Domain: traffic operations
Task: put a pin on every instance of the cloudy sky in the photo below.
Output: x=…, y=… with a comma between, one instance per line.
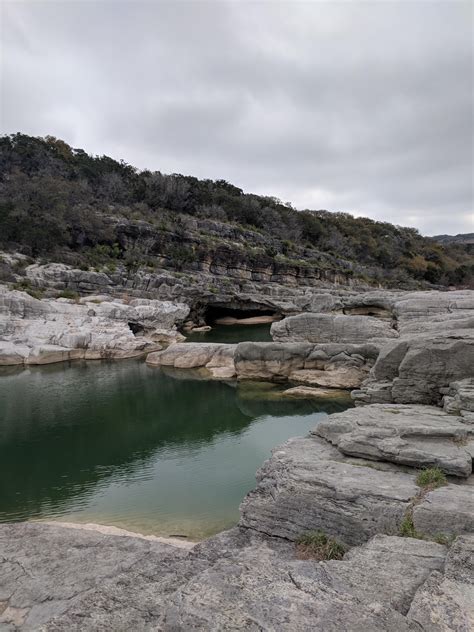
x=364, y=107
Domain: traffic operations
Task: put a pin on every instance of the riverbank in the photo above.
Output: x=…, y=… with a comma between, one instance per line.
x=388, y=486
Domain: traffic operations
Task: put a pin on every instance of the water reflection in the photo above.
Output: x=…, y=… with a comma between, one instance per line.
x=125, y=444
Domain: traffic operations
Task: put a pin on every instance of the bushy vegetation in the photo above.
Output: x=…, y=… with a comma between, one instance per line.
x=431, y=477
x=57, y=201
x=317, y=545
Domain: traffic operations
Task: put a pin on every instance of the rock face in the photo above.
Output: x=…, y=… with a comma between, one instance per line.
x=419, y=369
x=216, y=358
x=329, y=328
x=410, y=435
x=310, y=484
x=446, y=600
x=395, y=312
x=334, y=365
x=36, y=331
x=330, y=365
x=65, y=579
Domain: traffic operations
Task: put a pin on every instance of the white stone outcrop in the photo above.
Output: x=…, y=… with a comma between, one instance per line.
x=36, y=331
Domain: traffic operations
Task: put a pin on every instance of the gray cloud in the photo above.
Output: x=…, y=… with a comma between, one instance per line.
x=364, y=107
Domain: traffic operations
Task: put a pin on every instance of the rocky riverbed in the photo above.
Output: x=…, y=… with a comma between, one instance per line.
x=390, y=480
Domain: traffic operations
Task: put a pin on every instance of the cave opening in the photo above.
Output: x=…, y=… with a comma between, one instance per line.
x=220, y=314
x=136, y=328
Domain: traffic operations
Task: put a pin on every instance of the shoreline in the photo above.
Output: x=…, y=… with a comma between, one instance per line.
x=119, y=532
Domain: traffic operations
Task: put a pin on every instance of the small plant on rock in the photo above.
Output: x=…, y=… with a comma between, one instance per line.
x=431, y=477
x=407, y=528
x=317, y=545
x=69, y=294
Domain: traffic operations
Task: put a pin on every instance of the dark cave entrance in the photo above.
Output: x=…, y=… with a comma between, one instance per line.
x=136, y=328
x=213, y=313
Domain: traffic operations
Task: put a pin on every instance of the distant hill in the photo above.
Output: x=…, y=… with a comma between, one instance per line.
x=61, y=204
x=463, y=238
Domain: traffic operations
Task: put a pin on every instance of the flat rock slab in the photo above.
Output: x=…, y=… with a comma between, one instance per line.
x=448, y=510
x=418, y=436
x=77, y=577
x=339, y=377
x=308, y=484
x=52, y=578
x=308, y=392
x=445, y=601
x=331, y=328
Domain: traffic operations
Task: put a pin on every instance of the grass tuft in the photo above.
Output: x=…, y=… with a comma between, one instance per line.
x=69, y=294
x=431, y=477
x=317, y=545
x=407, y=529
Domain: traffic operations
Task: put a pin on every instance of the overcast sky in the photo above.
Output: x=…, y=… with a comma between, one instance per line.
x=364, y=107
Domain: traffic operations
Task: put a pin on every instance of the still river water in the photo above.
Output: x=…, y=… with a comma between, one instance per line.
x=124, y=444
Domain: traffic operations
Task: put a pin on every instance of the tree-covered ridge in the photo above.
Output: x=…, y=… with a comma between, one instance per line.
x=61, y=203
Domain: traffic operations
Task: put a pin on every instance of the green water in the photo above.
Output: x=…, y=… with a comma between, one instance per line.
x=128, y=445
x=233, y=334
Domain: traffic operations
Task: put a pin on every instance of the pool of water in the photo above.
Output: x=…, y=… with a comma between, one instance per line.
x=131, y=446
x=233, y=334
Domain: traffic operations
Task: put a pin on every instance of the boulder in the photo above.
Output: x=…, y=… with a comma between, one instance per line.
x=418, y=436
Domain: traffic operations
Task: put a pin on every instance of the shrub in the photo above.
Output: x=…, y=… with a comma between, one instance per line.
x=317, y=545
x=71, y=294
x=431, y=477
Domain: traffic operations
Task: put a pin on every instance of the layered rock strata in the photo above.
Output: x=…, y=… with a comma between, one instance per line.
x=326, y=365
x=36, y=331
x=419, y=368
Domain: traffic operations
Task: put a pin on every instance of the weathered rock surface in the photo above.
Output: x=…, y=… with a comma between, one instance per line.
x=306, y=392
x=333, y=377
x=36, y=331
x=419, y=369
x=328, y=364
x=309, y=484
x=448, y=510
x=419, y=436
x=460, y=398
x=331, y=365
x=445, y=601
x=66, y=579
x=396, y=311
x=331, y=328
x=216, y=358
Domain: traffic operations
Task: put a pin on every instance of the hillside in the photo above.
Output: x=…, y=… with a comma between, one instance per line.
x=58, y=203
x=463, y=238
